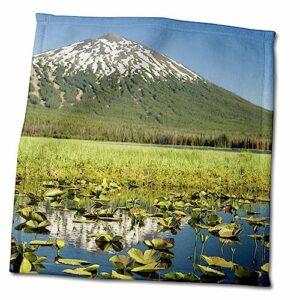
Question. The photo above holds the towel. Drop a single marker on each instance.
(146, 152)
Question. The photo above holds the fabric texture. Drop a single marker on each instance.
(146, 152)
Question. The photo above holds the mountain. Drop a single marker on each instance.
(112, 88)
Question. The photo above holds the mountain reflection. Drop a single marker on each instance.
(62, 227)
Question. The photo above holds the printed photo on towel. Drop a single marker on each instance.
(146, 152)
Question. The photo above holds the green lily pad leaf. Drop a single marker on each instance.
(209, 271)
(256, 221)
(78, 271)
(92, 268)
(246, 274)
(44, 224)
(54, 193)
(30, 256)
(176, 276)
(217, 261)
(104, 275)
(116, 238)
(106, 241)
(191, 277)
(149, 268)
(265, 267)
(25, 212)
(107, 238)
(56, 204)
(38, 216)
(72, 262)
(117, 275)
(83, 220)
(26, 266)
(213, 220)
(40, 259)
(226, 230)
(148, 257)
(259, 237)
(164, 205)
(166, 254)
(39, 267)
(251, 212)
(160, 244)
(42, 243)
(179, 213)
(32, 224)
(110, 219)
(169, 223)
(121, 262)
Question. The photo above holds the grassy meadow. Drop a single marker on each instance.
(145, 165)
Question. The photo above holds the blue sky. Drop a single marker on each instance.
(237, 59)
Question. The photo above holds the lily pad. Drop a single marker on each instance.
(117, 275)
(226, 230)
(49, 242)
(106, 241)
(217, 261)
(72, 262)
(149, 268)
(26, 266)
(121, 262)
(146, 258)
(213, 220)
(110, 219)
(265, 267)
(259, 237)
(207, 271)
(87, 271)
(54, 193)
(246, 274)
(256, 221)
(160, 244)
(178, 276)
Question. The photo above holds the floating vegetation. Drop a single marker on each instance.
(24, 260)
(105, 242)
(71, 261)
(88, 271)
(160, 244)
(246, 274)
(217, 261)
(224, 230)
(35, 221)
(178, 276)
(207, 271)
(110, 225)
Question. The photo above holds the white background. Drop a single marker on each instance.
(16, 42)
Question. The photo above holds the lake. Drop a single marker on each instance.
(249, 252)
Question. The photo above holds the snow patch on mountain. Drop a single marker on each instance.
(110, 53)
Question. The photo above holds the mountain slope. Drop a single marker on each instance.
(116, 84)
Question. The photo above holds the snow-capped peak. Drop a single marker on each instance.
(109, 54)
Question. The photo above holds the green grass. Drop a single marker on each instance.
(149, 166)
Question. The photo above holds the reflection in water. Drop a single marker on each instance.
(77, 233)
(247, 252)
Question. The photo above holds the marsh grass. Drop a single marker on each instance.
(149, 167)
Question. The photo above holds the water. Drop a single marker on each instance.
(249, 252)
